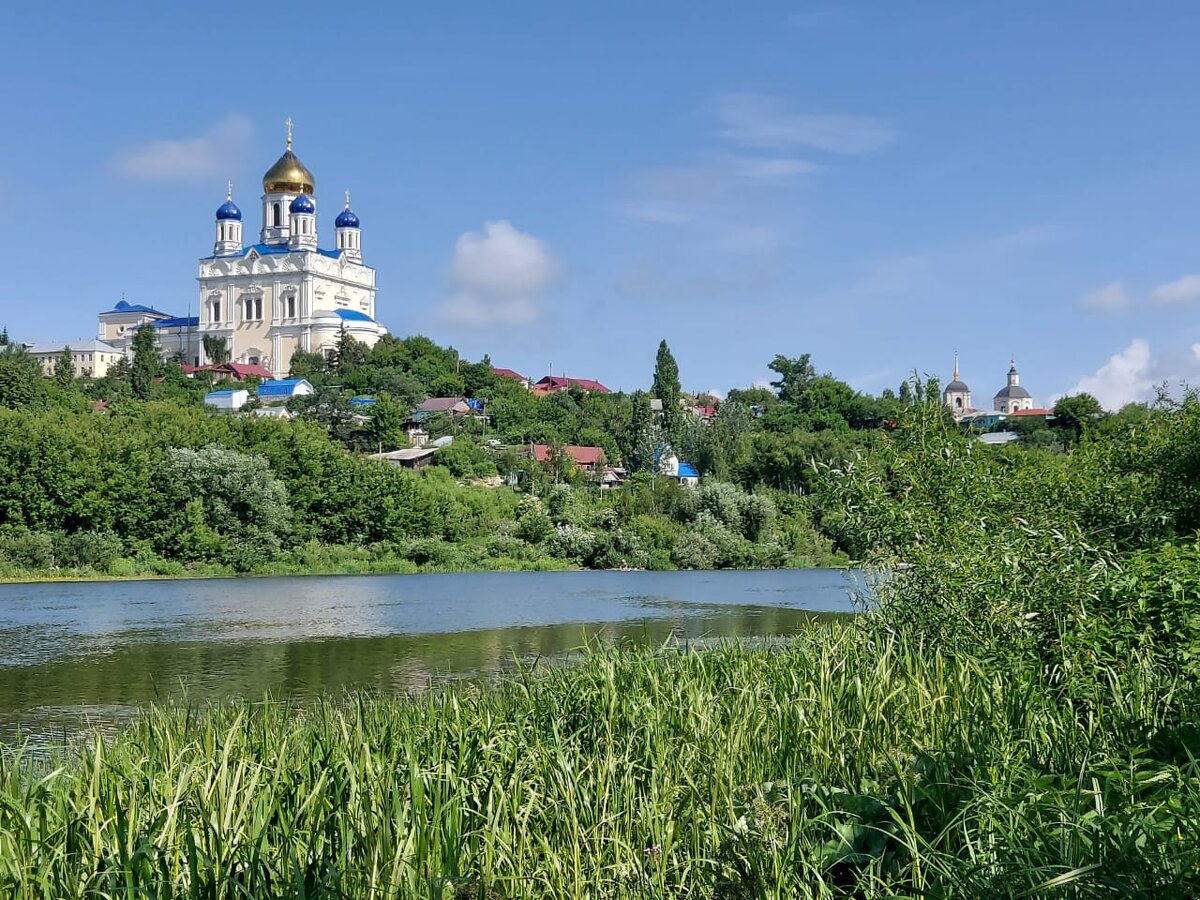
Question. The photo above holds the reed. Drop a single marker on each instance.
(841, 764)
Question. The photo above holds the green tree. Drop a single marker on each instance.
(311, 366)
(794, 376)
(223, 506)
(1074, 415)
(216, 348)
(147, 364)
(64, 369)
(20, 375)
(666, 388)
(642, 435)
(350, 353)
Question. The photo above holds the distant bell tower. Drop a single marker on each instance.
(284, 182)
(229, 226)
(957, 395)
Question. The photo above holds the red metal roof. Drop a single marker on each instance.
(240, 371)
(583, 456)
(1032, 412)
(508, 373)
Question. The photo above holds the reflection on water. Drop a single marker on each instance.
(74, 654)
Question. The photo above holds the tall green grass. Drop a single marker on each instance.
(839, 765)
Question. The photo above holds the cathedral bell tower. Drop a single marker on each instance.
(229, 226)
(349, 236)
(283, 183)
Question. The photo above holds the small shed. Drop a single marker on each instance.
(234, 399)
(415, 458)
(283, 389)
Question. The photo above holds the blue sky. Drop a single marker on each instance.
(558, 185)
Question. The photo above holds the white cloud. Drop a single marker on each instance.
(763, 122)
(213, 153)
(1106, 299)
(1196, 352)
(1182, 290)
(1125, 378)
(499, 275)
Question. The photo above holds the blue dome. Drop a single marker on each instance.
(229, 210)
(346, 219)
(302, 204)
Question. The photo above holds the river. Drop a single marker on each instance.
(80, 656)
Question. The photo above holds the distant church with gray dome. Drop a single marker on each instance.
(1011, 398)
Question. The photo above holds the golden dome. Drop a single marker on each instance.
(290, 175)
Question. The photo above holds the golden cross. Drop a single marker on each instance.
(288, 123)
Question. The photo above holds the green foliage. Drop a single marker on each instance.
(960, 781)
(465, 458)
(147, 364)
(20, 377)
(1075, 414)
(667, 389)
(64, 370)
(222, 506)
(216, 348)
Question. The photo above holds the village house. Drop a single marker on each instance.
(231, 371)
(89, 357)
(552, 384)
(586, 459)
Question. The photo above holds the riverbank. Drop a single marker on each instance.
(418, 557)
(839, 765)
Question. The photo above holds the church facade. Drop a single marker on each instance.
(272, 297)
(1011, 398)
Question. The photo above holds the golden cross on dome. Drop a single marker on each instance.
(288, 123)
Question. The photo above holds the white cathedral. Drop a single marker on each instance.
(274, 297)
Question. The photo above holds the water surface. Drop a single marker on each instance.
(79, 655)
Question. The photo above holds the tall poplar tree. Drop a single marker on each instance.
(64, 369)
(666, 388)
(146, 362)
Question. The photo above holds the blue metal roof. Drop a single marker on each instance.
(272, 250)
(124, 306)
(362, 401)
(178, 322)
(229, 210)
(346, 219)
(279, 387)
(220, 394)
(353, 315)
(302, 204)
(687, 470)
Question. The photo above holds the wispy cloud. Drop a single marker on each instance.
(764, 122)
(498, 277)
(1182, 290)
(1109, 298)
(772, 168)
(213, 153)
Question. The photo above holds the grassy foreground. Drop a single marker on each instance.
(837, 765)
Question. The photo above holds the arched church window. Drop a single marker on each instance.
(275, 214)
